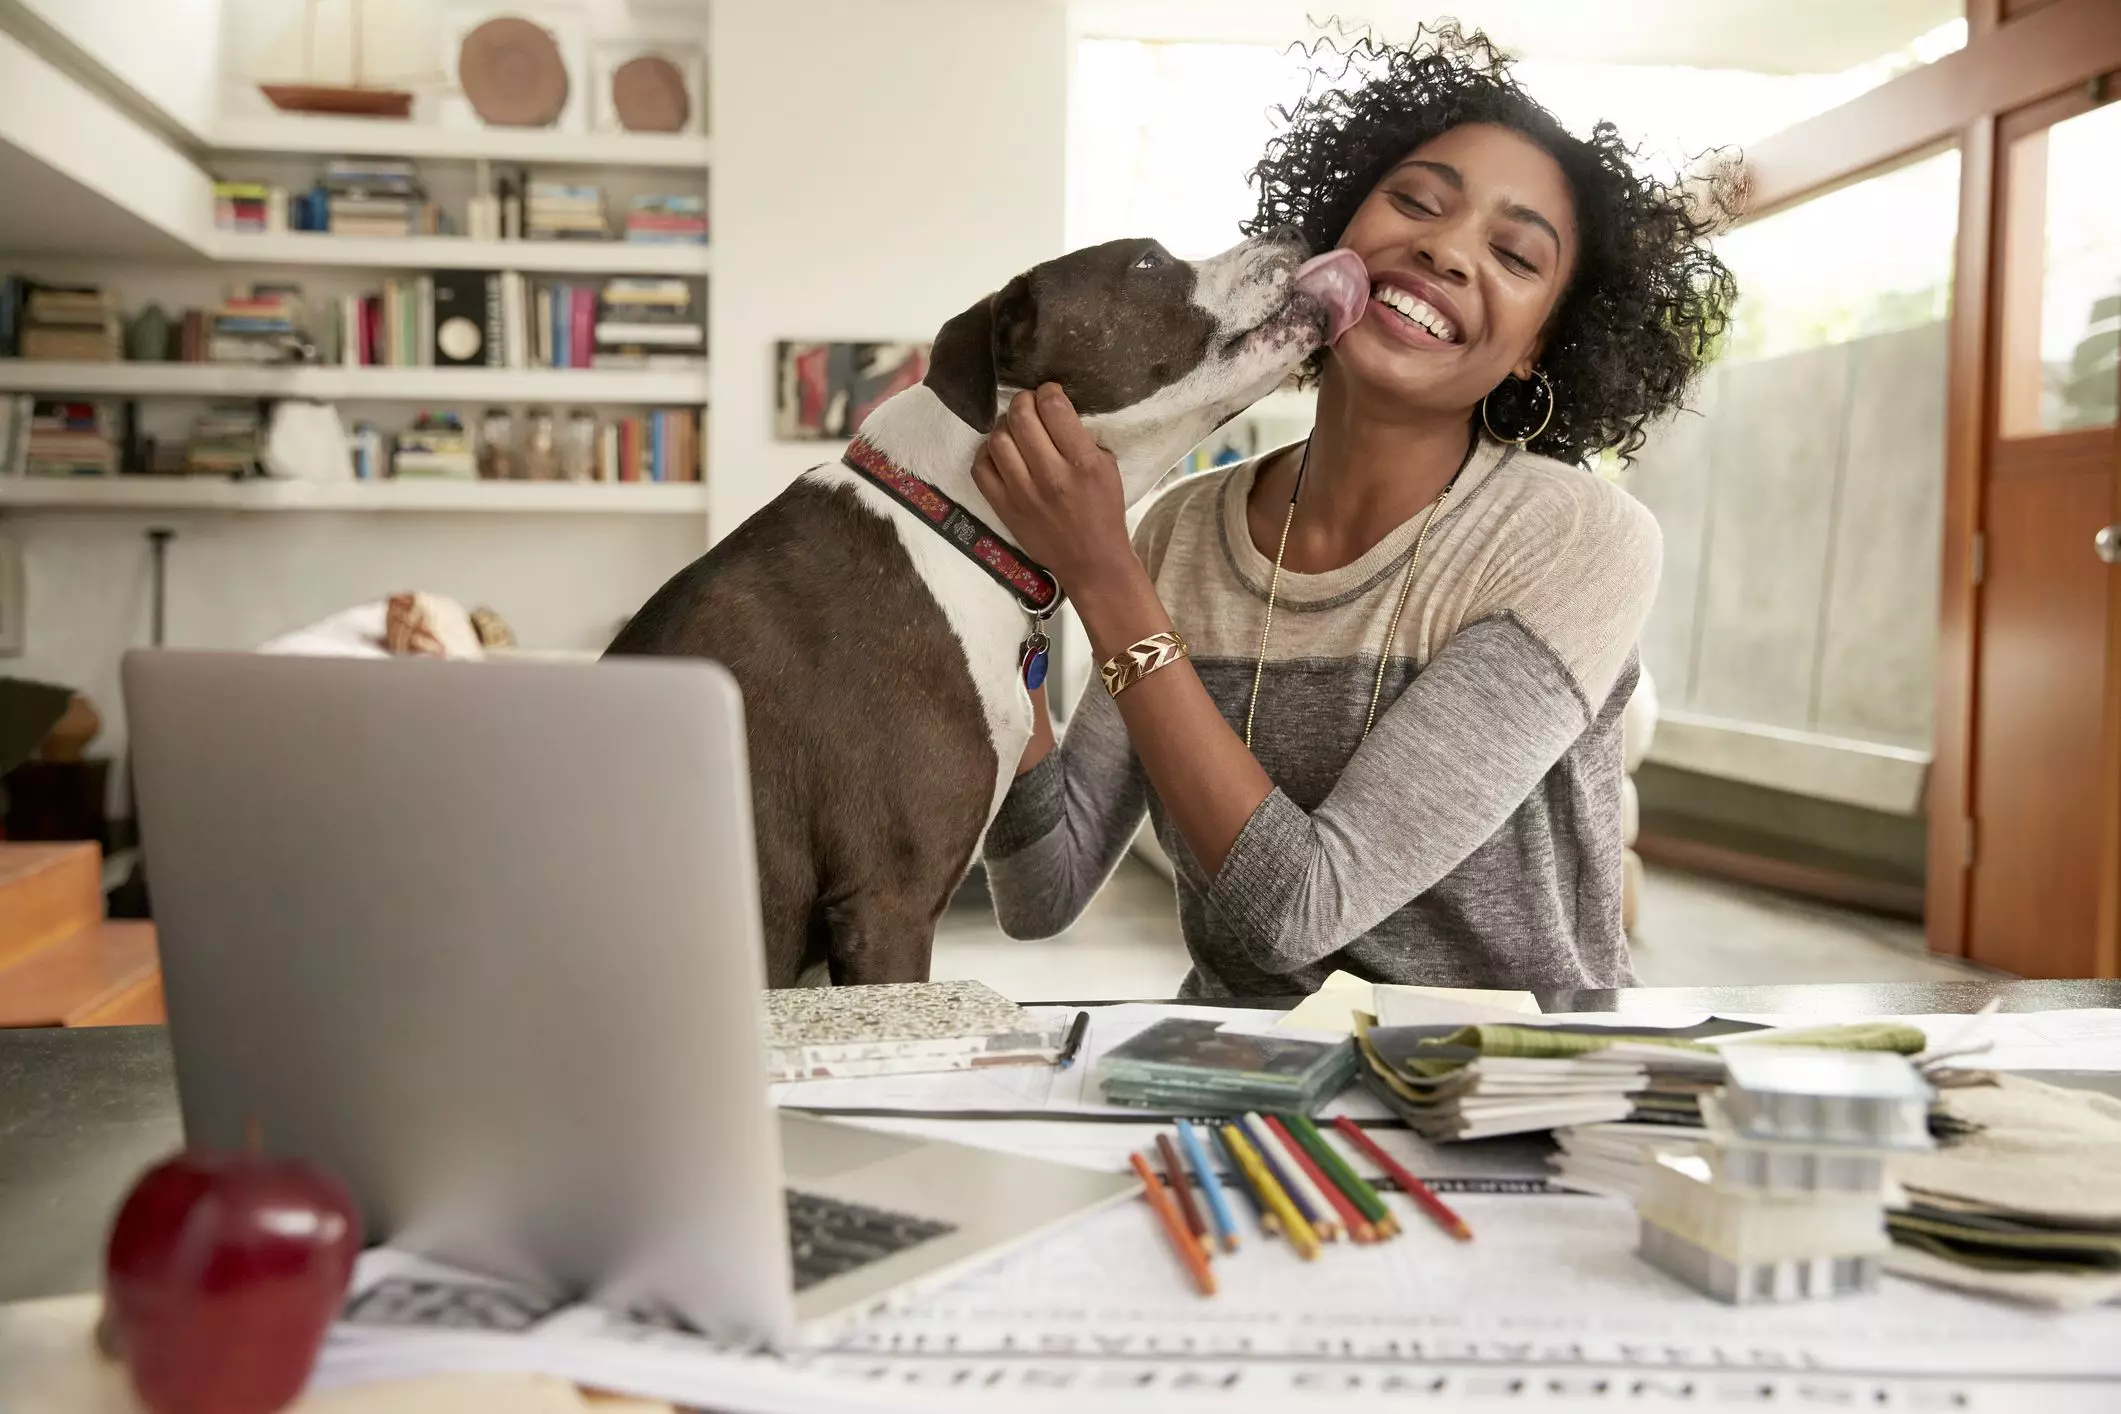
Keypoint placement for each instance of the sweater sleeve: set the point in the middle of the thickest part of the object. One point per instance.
(1455, 755)
(1065, 823)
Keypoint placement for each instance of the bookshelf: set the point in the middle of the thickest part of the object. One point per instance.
(208, 493)
(338, 136)
(436, 386)
(312, 248)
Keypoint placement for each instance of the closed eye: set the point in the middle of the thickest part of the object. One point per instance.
(1515, 261)
(1411, 205)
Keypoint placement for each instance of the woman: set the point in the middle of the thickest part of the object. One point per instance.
(1370, 686)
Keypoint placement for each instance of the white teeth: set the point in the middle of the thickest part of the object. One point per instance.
(1393, 297)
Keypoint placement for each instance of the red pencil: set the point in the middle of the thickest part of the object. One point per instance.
(1351, 1218)
(1182, 1189)
(1189, 1251)
(1413, 1187)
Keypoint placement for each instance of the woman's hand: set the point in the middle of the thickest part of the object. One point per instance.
(1056, 490)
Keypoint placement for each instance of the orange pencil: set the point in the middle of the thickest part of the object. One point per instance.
(1189, 1250)
(1182, 1190)
(1351, 1218)
(1413, 1187)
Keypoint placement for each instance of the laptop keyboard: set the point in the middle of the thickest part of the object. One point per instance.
(829, 1238)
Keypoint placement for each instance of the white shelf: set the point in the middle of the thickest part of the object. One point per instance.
(677, 388)
(458, 253)
(213, 493)
(398, 138)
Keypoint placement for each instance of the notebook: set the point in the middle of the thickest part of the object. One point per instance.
(834, 1033)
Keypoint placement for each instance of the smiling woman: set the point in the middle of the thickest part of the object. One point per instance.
(1369, 687)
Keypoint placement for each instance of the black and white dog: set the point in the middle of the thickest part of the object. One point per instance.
(876, 615)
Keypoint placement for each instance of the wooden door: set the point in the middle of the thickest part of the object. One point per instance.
(2043, 896)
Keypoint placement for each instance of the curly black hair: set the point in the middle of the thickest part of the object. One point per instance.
(1648, 300)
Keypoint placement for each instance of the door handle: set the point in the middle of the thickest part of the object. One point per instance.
(2108, 543)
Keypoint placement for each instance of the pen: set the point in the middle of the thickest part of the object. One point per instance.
(1074, 1042)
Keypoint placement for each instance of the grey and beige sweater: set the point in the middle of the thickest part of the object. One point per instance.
(1474, 839)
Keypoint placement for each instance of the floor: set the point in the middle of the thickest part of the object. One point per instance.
(1693, 931)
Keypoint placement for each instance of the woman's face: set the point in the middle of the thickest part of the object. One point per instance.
(1470, 242)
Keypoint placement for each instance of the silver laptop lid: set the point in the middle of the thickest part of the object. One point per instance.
(483, 939)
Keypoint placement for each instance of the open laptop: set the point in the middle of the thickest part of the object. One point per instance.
(484, 940)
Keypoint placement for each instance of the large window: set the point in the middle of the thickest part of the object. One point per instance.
(1162, 134)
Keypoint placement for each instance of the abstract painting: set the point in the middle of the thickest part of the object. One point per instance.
(824, 390)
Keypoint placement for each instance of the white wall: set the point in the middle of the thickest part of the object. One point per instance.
(877, 168)
(165, 50)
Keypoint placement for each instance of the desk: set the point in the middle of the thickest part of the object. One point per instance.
(83, 1111)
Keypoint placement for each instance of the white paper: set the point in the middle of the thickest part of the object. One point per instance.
(1548, 1309)
(1331, 1009)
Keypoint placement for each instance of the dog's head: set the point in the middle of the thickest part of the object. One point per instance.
(1155, 352)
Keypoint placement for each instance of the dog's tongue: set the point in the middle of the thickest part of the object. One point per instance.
(1339, 281)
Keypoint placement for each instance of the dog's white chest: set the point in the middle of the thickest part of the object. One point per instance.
(989, 626)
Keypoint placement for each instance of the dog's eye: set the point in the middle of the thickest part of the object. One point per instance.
(1150, 259)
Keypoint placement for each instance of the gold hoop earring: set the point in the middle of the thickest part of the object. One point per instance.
(1542, 406)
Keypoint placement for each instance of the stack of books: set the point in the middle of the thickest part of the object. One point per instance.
(436, 446)
(258, 325)
(560, 211)
(1786, 1200)
(373, 196)
(648, 323)
(565, 320)
(67, 439)
(667, 220)
(661, 446)
(16, 409)
(1477, 1082)
(393, 328)
(72, 322)
(245, 206)
(225, 441)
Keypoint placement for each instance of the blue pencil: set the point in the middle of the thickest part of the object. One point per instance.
(1218, 1205)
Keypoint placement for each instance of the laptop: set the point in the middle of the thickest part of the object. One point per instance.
(483, 939)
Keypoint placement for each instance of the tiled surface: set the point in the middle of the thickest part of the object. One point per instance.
(1693, 932)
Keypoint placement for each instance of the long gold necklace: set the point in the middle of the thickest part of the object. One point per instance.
(1399, 607)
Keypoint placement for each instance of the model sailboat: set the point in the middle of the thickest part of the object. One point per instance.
(358, 96)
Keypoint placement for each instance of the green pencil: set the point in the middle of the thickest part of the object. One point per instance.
(1360, 1193)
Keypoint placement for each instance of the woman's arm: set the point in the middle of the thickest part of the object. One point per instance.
(1448, 763)
(1059, 493)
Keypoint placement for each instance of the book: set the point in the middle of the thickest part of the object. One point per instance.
(839, 1032)
(460, 317)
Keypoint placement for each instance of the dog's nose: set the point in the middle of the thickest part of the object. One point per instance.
(1289, 233)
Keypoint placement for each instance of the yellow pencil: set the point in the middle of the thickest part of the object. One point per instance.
(1293, 1225)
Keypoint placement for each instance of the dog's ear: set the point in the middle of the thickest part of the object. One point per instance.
(978, 349)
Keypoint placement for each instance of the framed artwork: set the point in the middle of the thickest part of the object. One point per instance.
(520, 66)
(824, 390)
(649, 86)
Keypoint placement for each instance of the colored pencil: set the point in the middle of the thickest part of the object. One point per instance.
(1360, 1228)
(1189, 1252)
(1182, 1189)
(1292, 1222)
(1269, 1220)
(1282, 1163)
(1413, 1187)
(1343, 1173)
(1210, 1189)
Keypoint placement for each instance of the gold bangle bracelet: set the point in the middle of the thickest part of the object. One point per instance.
(1158, 650)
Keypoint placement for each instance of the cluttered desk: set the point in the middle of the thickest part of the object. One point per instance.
(1820, 1204)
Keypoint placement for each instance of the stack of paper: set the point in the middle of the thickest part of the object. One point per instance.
(1973, 1218)
(1474, 1082)
(1614, 1159)
(817, 1032)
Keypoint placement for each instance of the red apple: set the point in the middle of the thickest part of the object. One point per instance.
(223, 1274)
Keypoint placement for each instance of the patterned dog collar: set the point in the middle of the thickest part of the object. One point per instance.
(1034, 587)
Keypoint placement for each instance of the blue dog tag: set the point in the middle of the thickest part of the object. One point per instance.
(1034, 661)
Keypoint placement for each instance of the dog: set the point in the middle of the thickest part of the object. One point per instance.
(883, 663)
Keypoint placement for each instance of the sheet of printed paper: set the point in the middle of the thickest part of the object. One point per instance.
(2080, 1039)
(1548, 1308)
(1033, 1089)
